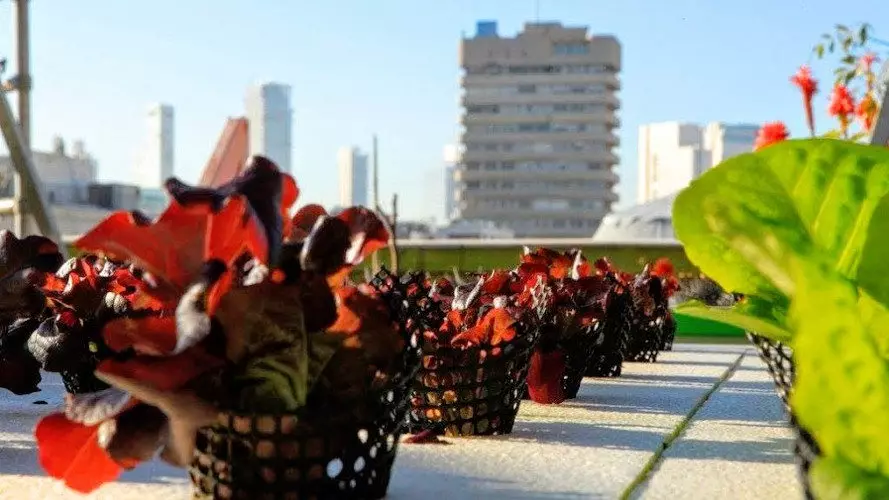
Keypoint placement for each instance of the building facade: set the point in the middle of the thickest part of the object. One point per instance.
(157, 163)
(65, 175)
(539, 120)
(353, 173)
(270, 122)
(451, 160)
(672, 154)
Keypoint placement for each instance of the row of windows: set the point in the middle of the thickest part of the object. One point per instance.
(538, 127)
(542, 69)
(534, 109)
(537, 185)
(541, 205)
(540, 147)
(534, 166)
(550, 89)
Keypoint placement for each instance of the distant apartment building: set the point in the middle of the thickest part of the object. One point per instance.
(353, 177)
(451, 160)
(65, 175)
(157, 162)
(269, 115)
(539, 118)
(672, 154)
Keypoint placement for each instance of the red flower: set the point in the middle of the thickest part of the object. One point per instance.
(769, 134)
(809, 87)
(866, 61)
(866, 111)
(842, 104)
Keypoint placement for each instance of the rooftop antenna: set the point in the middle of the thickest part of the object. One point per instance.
(537, 10)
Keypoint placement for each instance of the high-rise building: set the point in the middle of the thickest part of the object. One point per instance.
(672, 154)
(451, 159)
(352, 165)
(270, 120)
(539, 118)
(158, 160)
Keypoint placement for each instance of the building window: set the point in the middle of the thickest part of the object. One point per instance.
(570, 49)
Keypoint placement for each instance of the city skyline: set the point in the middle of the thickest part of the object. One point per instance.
(685, 61)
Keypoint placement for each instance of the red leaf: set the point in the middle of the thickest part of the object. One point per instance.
(152, 335)
(71, 452)
(357, 311)
(545, 377)
(233, 231)
(495, 327)
(425, 437)
(170, 249)
(163, 373)
(369, 233)
(305, 220)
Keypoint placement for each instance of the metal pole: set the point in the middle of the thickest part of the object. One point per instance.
(23, 86)
(21, 160)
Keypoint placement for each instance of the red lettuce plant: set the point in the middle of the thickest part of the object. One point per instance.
(571, 324)
(250, 311)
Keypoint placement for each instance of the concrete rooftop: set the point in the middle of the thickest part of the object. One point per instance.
(704, 421)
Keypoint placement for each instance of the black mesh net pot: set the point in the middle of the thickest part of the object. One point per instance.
(806, 451)
(644, 338)
(779, 362)
(288, 456)
(579, 352)
(314, 455)
(778, 359)
(608, 357)
(668, 332)
(474, 391)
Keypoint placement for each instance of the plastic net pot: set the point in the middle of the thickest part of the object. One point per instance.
(474, 391)
(314, 454)
(806, 451)
(644, 339)
(579, 352)
(287, 456)
(82, 379)
(668, 332)
(778, 359)
(608, 357)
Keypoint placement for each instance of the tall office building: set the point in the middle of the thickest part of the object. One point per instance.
(157, 163)
(352, 165)
(270, 121)
(672, 154)
(539, 118)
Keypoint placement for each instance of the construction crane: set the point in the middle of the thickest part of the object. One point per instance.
(28, 196)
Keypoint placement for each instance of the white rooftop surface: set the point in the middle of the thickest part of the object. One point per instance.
(735, 442)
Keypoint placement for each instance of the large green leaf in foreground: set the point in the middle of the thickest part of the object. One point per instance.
(840, 394)
(751, 220)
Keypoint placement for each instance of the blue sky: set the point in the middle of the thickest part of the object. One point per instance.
(390, 67)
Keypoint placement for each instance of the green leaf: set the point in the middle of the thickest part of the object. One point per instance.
(840, 391)
(837, 479)
(831, 46)
(819, 50)
(850, 59)
(753, 315)
(863, 34)
(749, 221)
(874, 265)
(842, 28)
(833, 134)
